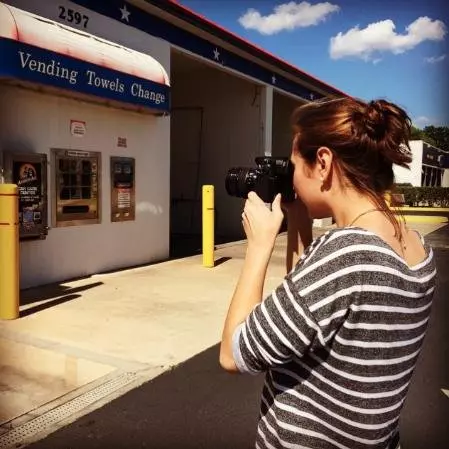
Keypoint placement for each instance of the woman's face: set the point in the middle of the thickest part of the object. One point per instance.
(308, 186)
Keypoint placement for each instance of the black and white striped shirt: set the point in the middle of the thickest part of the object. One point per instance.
(338, 340)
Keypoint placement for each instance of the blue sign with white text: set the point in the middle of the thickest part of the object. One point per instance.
(128, 14)
(37, 65)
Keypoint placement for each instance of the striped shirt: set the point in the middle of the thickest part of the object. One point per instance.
(338, 341)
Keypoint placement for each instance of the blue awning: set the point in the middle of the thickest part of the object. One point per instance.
(37, 50)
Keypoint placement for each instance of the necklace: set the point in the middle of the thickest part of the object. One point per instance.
(361, 215)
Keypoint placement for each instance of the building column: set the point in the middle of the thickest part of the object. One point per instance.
(266, 119)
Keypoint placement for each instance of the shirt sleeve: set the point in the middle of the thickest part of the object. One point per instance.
(276, 330)
(303, 313)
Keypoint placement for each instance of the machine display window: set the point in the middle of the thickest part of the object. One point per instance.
(76, 187)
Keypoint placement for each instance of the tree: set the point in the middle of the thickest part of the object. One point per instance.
(416, 133)
(439, 135)
(419, 134)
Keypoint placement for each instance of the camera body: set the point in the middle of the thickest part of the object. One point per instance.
(272, 175)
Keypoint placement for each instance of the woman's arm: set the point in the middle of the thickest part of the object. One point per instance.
(261, 228)
(248, 293)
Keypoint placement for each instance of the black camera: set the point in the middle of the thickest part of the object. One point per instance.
(272, 175)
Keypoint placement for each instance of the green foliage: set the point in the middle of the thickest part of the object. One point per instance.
(423, 196)
(437, 136)
(416, 133)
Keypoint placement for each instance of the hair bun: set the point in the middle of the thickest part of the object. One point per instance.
(375, 120)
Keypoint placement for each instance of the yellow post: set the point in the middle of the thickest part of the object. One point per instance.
(208, 226)
(9, 252)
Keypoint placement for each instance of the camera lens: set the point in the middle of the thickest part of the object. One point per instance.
(239, 181)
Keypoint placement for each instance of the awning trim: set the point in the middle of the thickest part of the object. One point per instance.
(42, 51)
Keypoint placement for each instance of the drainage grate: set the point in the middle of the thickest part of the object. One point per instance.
(22, 432)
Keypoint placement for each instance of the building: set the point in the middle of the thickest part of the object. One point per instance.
(429, 167)
(114, 114)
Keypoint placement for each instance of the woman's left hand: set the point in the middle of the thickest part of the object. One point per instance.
(261, 224)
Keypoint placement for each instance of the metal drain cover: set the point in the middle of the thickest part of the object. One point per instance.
(23, 432)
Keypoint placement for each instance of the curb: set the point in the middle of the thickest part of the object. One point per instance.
(37, 424)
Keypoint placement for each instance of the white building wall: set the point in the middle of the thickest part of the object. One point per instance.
(445, 181)
(231, 137)
(412, 176)
(36, 122)
(32, 122)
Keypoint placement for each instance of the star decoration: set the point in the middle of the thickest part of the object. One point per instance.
(273, 79)
(125, 13)
(216, 54)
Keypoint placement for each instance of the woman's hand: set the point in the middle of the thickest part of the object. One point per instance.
(261, 224)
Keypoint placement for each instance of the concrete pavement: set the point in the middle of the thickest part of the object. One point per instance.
(83, 343)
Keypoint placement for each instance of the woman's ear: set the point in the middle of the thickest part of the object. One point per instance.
(324, 159)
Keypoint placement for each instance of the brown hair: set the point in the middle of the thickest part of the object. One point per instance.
(366, 139)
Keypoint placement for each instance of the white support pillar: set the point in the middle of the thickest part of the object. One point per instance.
(266, 119)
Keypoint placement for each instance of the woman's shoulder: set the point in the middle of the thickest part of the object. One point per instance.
(336, 239)
(346, 245)
(332, 243)
(354, 245)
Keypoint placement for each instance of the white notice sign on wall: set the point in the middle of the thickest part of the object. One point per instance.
(77, 128)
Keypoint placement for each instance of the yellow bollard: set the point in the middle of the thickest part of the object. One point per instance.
(208, 226)
(9, 252)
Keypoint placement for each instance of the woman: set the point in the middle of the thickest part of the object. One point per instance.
(339, 338)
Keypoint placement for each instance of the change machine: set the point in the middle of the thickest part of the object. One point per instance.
(123, 202)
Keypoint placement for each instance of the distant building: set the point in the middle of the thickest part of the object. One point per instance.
(429, 168)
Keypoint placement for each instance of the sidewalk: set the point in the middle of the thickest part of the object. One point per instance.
(83, 343)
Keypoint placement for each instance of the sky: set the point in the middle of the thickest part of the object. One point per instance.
(392, 49)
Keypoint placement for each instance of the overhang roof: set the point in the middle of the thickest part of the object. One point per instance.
(27, 28)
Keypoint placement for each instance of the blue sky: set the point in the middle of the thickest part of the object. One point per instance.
(393, 49)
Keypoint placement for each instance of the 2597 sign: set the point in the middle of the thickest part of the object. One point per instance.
(72, 16)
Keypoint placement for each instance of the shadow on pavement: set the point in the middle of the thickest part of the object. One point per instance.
(52, 291)
(439, 238)
(194, 406)
(48, 296)
(40, 307)
(198, 405)
(424, 422)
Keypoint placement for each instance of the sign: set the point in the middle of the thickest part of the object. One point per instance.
(77, 153)
(123, 207)
(29, 173)
(41, 66)
(121, 142)
(167, 30)
(77, 128)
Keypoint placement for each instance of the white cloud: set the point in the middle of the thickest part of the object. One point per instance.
(287, 17)
(381, 37)
(435, 59)
(423, 121)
